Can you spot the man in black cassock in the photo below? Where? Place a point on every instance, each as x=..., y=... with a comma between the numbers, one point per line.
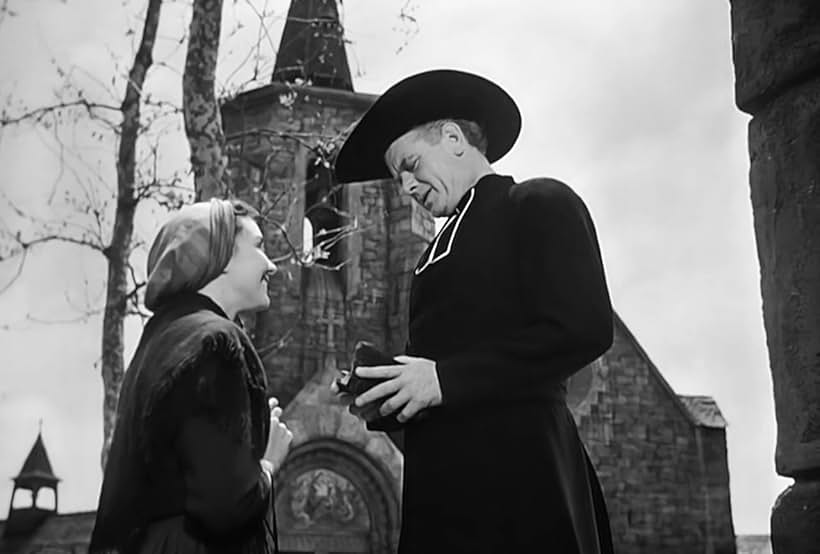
x=508, y=300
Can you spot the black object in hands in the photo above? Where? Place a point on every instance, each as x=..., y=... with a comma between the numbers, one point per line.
x=367, y=355
x=364, y=355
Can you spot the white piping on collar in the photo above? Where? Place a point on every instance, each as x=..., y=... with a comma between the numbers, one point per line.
x=456, y=217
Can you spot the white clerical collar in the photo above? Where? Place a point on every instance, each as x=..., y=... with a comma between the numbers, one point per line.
x=443, y=243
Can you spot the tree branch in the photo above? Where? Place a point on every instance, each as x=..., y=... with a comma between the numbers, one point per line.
x=294, y=250
x=17, y=273
x=278, y=344
x=65, y=224
x=68, y=321
x=38, y=114
x=306, y=139
x=25, y=245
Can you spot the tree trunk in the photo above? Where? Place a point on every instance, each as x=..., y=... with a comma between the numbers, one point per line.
x=118, y=251
x=203, y=123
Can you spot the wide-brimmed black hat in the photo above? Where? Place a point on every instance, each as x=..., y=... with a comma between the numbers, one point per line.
x=419, y=99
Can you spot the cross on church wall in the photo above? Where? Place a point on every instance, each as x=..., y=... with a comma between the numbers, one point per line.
x=331, y=320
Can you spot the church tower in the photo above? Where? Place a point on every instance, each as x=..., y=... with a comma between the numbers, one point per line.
x=346, y=253
x=36, y=474
x=312, y=49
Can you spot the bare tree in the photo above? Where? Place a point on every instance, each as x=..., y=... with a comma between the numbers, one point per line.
x=122, y=284
x=137, y=122
x=118, y=251
x=91, y=200
x=203, y=124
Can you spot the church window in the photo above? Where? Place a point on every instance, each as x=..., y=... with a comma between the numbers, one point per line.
x=323, y=221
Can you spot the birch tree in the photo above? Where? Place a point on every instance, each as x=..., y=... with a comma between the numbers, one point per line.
x=135, y=119
x=122, y=287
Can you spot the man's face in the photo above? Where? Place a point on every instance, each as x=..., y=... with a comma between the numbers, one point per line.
x=249, y=269
x=429, y=169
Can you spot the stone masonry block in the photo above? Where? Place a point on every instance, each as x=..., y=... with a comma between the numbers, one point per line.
x=784, y=141
x=775, y=43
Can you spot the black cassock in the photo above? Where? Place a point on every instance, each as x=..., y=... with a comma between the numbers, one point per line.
x=509, y=299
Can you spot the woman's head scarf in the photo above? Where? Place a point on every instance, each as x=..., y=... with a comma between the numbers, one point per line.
x=191, y=250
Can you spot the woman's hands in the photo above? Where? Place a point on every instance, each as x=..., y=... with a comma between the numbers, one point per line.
x=279, y=437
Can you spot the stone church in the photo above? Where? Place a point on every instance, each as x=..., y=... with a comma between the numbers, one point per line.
x=346, y=255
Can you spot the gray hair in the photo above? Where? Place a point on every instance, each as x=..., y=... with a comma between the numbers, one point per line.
x=472, y=132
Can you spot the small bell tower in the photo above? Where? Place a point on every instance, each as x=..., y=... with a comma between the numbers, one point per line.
x=35, y=474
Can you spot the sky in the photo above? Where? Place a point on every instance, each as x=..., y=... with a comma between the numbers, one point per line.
x=630, y=103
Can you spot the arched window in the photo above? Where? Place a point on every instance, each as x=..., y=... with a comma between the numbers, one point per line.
x=323, y=221
x=307, y=235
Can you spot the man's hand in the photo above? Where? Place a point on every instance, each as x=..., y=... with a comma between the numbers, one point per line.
x=413, y=386
x=368, y=413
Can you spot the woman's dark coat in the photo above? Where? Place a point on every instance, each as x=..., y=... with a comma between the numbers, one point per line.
x=183, y=472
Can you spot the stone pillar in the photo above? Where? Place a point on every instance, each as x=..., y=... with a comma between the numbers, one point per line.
x=776, y=49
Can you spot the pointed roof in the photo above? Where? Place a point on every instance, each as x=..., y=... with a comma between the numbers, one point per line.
x=36, y=469
x=704, y=410
x=689, y=411
x=312, y=47
x=701, y=411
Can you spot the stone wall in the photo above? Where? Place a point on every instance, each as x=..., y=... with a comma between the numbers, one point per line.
x=648, y=455
x=715, y=480
x=316, y=312
x=271, y=132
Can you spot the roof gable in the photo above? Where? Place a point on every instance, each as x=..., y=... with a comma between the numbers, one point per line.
x=702, y=412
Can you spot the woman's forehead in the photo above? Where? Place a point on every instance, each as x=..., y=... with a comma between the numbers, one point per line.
x=249, y=228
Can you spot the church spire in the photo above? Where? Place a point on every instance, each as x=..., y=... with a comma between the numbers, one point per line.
x=36, y=471
x=312, y=47
x=35, y=474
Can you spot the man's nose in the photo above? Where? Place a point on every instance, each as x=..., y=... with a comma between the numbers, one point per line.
x=408, y=182
x=271, y=267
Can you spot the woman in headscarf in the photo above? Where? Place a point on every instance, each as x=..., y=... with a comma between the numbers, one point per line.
x=196, y=441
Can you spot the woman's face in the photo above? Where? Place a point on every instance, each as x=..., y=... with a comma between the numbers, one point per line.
x=249, y=269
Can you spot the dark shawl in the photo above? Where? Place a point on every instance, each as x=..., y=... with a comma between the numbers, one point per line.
x=182, y=333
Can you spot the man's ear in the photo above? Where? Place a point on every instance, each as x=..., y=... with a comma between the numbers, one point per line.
x=453, y=138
